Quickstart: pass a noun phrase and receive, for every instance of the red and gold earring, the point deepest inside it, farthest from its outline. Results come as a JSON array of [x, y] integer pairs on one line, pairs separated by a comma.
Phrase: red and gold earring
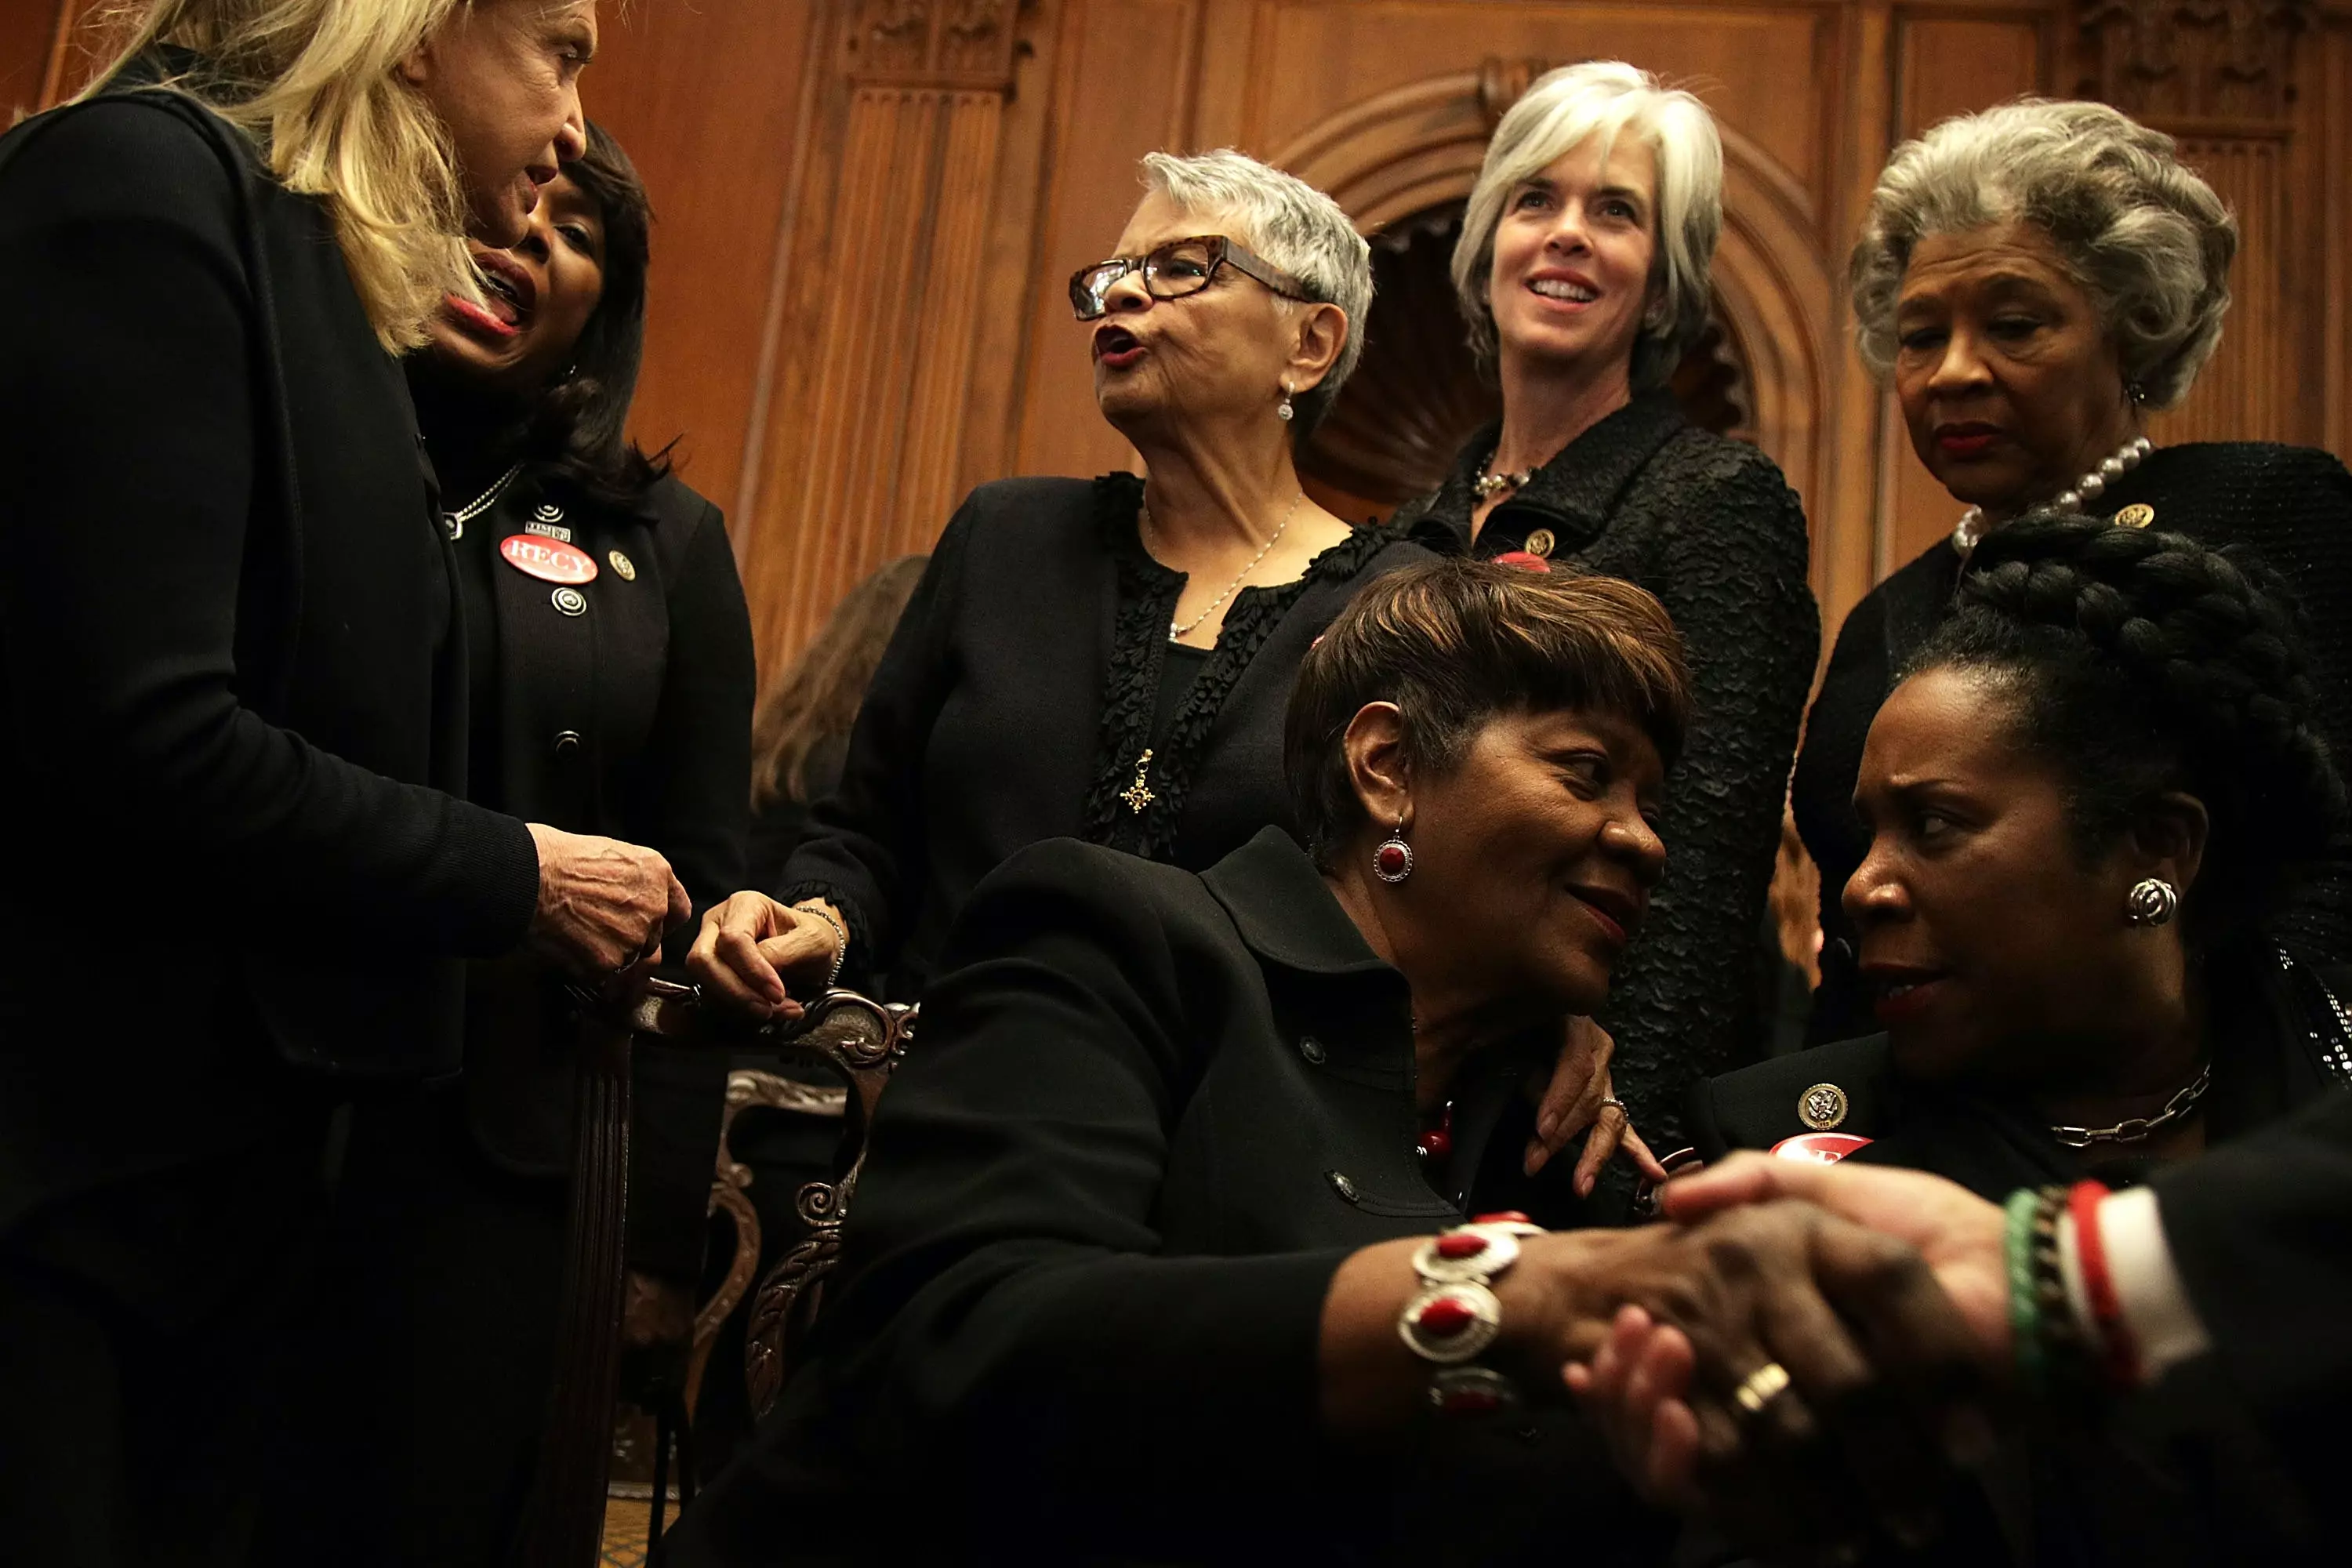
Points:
[[1392, 861]]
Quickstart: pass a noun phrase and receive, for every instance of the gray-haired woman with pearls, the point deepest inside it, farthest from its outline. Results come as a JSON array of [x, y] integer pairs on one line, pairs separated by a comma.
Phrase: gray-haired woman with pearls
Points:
[[1584, 272], [2034, 279]]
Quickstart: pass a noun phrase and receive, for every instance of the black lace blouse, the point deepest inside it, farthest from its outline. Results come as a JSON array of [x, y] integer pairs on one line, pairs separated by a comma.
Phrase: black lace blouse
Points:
[[1017, 700]]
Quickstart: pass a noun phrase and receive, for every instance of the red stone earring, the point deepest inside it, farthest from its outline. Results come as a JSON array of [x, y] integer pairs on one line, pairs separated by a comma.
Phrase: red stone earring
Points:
[[1392, 861]]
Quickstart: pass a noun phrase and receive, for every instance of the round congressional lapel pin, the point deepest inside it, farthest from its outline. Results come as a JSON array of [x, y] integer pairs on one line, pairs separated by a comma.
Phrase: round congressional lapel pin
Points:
[[549, 560], [2139, 514], [623, 567], [1541, 542], [1821, 1107]]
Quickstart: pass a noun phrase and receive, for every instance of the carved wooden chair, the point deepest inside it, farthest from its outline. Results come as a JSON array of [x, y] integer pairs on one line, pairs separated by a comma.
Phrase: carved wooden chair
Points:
[[858, 1039]]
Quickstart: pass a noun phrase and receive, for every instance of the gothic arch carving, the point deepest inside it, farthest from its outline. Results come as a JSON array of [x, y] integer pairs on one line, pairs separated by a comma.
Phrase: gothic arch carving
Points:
[[1416, 148]]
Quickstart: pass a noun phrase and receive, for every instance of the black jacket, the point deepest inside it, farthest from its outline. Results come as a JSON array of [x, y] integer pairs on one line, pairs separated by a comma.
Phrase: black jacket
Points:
[[2183, 1478], [1017, 696], [632, 719], [1084, 1275], [2291, 506], [1710, 527], [235, 747]]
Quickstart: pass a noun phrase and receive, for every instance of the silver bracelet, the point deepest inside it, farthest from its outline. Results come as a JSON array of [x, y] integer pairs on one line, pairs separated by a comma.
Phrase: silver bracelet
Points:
[[841, 940], [1455, 1316]]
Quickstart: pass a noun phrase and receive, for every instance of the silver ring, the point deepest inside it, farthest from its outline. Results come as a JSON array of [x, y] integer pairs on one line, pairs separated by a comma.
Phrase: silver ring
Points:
[[1620, 1104]]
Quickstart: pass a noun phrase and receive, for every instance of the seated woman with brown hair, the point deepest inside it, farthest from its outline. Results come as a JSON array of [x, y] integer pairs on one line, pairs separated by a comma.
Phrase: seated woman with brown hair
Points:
[[1141, 1264], [2087, 804]]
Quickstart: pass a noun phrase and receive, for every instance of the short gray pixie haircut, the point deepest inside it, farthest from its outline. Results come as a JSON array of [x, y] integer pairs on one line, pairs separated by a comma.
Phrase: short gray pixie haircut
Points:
[[2139, 230], [1608, 98], [1292, 224]]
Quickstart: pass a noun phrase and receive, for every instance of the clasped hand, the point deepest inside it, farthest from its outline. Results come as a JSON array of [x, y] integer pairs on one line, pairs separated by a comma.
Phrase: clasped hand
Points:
[[602, 904], [1881, 1293]]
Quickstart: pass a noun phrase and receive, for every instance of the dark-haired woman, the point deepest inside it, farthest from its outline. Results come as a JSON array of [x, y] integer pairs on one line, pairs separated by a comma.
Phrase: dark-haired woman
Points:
[[2086, 801], [611, 670], [1141, 1264]]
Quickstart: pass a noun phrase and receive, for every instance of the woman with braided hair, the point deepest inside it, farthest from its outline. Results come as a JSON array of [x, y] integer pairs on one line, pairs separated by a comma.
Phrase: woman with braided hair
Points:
[[2087, 799], [2033, 281]]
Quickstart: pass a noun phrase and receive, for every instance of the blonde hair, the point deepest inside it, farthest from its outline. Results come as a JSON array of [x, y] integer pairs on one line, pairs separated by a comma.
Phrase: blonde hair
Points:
[[1558, 113], [315, 84]]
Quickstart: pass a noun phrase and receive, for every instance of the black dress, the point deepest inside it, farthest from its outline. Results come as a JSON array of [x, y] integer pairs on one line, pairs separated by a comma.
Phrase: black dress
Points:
[[2280, 1044], [1016, 700], [1711, 528], [622, 707], [1083, 1279], [244, 877], [2291, 506]]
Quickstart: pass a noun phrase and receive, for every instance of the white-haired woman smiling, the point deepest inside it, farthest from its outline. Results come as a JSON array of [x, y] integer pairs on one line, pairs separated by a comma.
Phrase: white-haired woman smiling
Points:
[[234, 692], [1108, 660], [2034, 279], [1584, 269]]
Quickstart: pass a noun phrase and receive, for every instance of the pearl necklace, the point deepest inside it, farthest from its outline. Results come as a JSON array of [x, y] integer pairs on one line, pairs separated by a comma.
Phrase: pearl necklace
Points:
[[1488, 484], [2090, 486]]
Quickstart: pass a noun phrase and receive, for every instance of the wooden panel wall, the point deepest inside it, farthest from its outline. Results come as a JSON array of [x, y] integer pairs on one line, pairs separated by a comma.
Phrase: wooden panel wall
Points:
[[868, 208], [28, 31]]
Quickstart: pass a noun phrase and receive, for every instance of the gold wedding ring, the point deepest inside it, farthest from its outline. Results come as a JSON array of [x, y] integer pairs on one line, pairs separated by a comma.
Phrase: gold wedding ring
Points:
[[1763, 1385]]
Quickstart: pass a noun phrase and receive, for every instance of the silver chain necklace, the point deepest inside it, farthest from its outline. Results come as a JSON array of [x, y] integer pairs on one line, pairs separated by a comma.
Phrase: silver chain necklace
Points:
[[1177, 632], [2090, 486], [2137, 1128], [455, 521]]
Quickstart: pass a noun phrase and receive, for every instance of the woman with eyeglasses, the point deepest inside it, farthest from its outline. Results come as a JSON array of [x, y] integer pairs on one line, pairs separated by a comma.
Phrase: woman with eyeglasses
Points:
[[1108, 660]]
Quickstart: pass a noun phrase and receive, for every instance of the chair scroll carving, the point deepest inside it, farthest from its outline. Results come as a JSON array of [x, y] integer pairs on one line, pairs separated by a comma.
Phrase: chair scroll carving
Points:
[[862, 1040]]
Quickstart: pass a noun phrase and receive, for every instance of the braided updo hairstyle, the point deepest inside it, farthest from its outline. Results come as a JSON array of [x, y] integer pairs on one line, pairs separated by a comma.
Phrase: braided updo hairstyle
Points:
[[2143, 662]]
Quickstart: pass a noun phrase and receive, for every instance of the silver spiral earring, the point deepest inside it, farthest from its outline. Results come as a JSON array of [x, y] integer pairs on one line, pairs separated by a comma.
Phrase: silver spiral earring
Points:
[[2153, 901]]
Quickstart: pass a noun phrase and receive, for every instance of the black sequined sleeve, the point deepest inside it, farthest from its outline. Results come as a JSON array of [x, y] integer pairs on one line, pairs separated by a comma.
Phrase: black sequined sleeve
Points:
[[1731, 567]]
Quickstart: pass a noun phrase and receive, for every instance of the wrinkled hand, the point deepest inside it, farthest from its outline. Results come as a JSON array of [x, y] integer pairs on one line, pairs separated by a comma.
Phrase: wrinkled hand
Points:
[[750, 944], [1960, 1234], [1880, 1364], [1578, 1096], [602, 904]]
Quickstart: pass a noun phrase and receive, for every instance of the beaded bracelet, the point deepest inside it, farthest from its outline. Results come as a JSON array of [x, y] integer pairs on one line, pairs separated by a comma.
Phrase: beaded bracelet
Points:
[[2118, 1356], [2024, 1308]]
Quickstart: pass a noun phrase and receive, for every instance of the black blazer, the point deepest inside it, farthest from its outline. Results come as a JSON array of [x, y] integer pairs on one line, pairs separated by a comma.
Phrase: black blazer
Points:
[[630, 718], [1019, 693], [1084, 1275], [235, 752], [1710, 527], [2291, 506], [2184, 1479]]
